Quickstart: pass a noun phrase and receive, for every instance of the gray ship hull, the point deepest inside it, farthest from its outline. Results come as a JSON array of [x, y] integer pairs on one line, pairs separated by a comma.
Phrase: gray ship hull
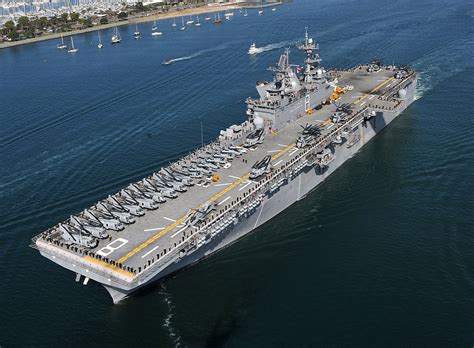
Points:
[[296, 189]]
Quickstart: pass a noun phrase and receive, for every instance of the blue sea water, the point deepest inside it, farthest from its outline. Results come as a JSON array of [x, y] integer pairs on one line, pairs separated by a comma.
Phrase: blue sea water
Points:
[[382, 254]]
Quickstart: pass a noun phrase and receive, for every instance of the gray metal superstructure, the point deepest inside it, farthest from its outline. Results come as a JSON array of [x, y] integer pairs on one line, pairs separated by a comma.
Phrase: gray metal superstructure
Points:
[[305, 124]]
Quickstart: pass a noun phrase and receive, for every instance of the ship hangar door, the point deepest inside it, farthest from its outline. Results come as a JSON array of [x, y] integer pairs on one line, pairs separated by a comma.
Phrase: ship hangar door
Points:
[[307, 103]]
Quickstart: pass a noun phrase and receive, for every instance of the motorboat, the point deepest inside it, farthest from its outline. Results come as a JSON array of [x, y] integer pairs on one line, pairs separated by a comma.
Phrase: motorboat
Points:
[[253, 49]]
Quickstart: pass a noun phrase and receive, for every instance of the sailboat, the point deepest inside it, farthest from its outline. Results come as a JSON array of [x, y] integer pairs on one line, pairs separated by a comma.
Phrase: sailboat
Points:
[[116, 37], [154, 31], [245, 13], [198, 24], [136, 33], [183, 26], [207, 18], [217, 19], [72, 49], [100, 45], [174, 22], [62, 45], [190, 21], [261, 9]]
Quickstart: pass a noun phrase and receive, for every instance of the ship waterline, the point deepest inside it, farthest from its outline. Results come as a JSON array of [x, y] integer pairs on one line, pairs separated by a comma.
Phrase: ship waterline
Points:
[[224, 190]]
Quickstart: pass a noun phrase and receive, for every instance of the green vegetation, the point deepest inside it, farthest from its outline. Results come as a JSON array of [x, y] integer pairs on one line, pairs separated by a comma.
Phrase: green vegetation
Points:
[[122, 16]]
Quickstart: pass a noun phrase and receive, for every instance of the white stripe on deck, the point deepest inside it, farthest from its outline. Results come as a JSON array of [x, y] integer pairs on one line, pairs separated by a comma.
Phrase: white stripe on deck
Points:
[[181, 230], [154, 229], [224, 200], [272, 151], [293, 152], [152, 250], [330, 126], [362, 103], [282, 145], [226, 184], [371, 97], [247, 184], [234, 177], [169, 219], [278, 163]]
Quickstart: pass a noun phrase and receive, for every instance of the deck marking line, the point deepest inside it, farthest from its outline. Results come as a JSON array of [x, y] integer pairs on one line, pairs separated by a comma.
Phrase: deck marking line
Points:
[[169, 219], [226, 184], [115, 268], [181, 230], [278, 162], [374, 90], [247, 184], [222, 202], [154, 229], [152, 250]]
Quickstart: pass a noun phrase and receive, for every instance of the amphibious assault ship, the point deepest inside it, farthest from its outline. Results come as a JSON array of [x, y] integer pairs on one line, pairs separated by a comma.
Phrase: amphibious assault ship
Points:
[[304, 125]]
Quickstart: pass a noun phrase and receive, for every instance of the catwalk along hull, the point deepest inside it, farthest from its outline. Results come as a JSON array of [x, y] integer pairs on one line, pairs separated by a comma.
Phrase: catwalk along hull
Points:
[[296, 189]]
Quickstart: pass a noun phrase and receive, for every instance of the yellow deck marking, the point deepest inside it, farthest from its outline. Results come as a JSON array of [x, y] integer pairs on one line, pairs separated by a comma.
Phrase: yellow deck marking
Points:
[[178, 222], [374, 90], [282, 152], [155, 237], [105, 264]]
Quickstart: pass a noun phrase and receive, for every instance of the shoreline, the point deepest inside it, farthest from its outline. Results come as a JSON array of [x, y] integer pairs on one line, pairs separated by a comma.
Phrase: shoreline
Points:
[[174, 14]]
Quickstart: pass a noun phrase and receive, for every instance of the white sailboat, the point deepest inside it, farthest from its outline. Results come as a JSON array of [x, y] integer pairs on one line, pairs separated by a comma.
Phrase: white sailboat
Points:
[[62, 45], [183, 27], [207, 18], [116, 37], [154, 30], [174, 22], [198, 24], [136, 33], [100, 45], [190, 21], [72, 49], [245, 13]]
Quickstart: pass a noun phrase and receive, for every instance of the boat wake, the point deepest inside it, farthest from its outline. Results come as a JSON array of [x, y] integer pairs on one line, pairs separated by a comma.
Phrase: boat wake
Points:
[[433, 71], [274, 46], [197, 54], [175, 338]]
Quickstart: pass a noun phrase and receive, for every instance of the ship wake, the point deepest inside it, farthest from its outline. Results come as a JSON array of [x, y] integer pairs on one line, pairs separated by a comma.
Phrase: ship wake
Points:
[[167, 324], [433, 70]]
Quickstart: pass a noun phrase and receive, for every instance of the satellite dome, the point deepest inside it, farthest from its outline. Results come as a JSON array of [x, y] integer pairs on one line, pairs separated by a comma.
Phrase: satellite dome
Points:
[[402, 93], [258, 122], [319, 72], [310, 40]]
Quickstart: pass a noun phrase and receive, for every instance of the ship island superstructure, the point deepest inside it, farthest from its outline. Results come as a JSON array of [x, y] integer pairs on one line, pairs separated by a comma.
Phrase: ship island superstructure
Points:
[[303, 125]]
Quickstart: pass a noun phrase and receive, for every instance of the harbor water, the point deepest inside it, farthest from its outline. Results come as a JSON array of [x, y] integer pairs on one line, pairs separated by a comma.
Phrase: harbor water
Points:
[[382, 254]]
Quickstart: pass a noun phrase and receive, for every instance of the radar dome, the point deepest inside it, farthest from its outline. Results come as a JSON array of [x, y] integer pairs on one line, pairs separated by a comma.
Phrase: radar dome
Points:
[[258, 122], [402, 93], [310, 40], [319, 72]]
